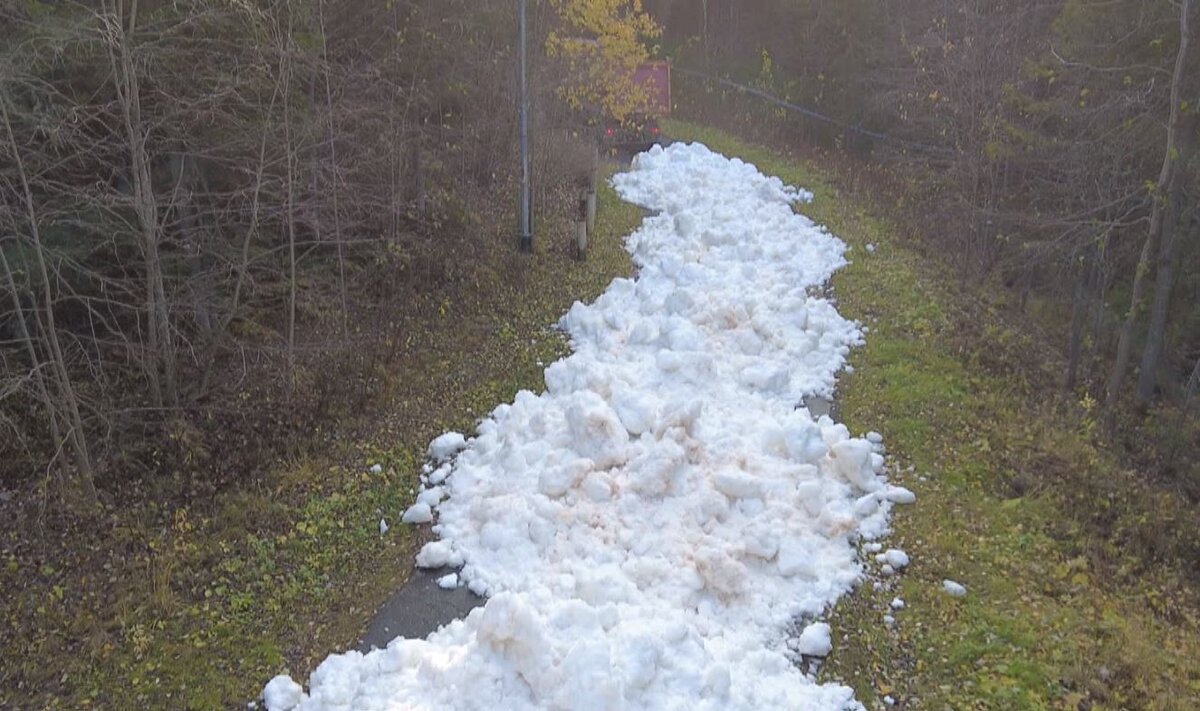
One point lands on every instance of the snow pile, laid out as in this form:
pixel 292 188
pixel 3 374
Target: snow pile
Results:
pixel 650 527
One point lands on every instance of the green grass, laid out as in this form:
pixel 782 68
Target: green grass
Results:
pixel 1061 613
pixel 197 608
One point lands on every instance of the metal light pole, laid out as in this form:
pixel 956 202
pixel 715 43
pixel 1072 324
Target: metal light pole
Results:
pixel 525 209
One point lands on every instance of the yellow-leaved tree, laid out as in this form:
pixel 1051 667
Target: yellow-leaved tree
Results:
pixel 603 42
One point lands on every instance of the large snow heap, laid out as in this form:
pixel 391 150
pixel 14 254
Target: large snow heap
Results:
pixel 652 528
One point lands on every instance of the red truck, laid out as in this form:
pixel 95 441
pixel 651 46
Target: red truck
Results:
pixel 641 130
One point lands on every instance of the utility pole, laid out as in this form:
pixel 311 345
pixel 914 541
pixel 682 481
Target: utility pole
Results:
pixel 525 209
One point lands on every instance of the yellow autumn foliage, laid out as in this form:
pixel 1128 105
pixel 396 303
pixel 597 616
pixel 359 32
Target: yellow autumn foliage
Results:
pixel 603 42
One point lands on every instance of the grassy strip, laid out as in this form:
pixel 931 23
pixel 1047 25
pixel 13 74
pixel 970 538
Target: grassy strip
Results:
pixel 198 612
pixel 1060 614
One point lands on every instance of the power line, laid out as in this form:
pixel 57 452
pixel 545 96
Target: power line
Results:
pixel 816 116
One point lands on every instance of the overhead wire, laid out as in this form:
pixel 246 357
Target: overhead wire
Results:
pixel 815 115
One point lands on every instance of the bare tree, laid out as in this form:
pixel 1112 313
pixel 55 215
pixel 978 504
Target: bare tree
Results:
pixel 1164 216
pixel 63 405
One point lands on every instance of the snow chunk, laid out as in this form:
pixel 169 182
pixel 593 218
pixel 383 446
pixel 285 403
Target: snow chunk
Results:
pixel 896 558
pixel 795 560
pixel 805 443
pixel 558 480
pixel 431 496
pixel 866 505
pixel 418 513
pixel 897 604
pixel 282 694
pixel 439 475
pixel 446 446
pixel 737 485
pixel 448 582
pixel 815 641
pixel 383 527
pixel 596 431
pixel 899 495
pixel 853 460
pixel 953 589
pixel 439 554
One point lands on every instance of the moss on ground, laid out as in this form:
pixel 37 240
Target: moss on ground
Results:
pixel 197 608
pixel 1060 614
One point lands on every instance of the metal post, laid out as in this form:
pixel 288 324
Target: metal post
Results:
pixel 524 210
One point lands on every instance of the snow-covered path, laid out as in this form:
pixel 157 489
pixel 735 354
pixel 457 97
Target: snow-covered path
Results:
pixel 651 529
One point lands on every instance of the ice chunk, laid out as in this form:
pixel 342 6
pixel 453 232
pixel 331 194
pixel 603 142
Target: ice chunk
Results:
pixel 899 495
pixel 737 484
pixel 448 582
pixel 866 505
pixel 896 558
pixel 717 681
pixel 596 431
pixel 439 554
pixel 560 479
pixel 439 475
pixel 953 589
pixel 805 443
pixel 282 694
pixel 431 496
pixel 815 641
pixel 760 541
pixel 418 513
pixel 446 446
pixel 637 413
pixel 795 560
pixel 853 460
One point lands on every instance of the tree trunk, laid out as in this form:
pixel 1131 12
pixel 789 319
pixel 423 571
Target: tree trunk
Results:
pixel 1174 232
pixel 209 358
pixel 1075 347
pixel 35 362
pixel 80 490
pixel 1166 180
pixel 335 189
pixel 290 207
pixel 160 367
